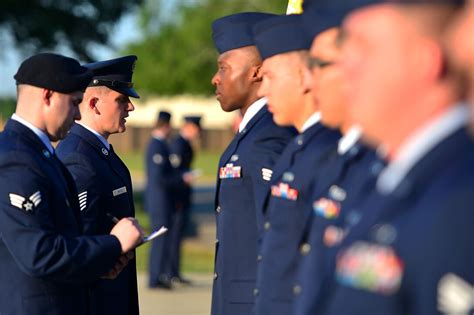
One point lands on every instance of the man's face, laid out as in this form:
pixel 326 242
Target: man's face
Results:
pixel 113 108
pixel 282 86
pixel 460 44
pixel 327 83
pixel 233 78
pixel 379 67
pixel 62 112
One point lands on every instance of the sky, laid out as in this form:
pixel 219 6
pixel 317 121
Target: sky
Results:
pixel 125 31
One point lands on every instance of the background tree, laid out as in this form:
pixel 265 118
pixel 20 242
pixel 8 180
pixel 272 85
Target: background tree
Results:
pixel 177 54
pixel 45 24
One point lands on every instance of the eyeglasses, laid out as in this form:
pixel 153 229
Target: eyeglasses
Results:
pixel 314 62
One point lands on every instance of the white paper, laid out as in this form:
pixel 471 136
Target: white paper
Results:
pixel 162 230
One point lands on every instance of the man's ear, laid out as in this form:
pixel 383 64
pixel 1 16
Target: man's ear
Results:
pixel 92 104
pixel 257 73
pixel 46 96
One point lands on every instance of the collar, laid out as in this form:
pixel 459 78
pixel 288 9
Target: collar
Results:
pixel 419 145
pixel 312 120
pixel 40 133
pixel 251 112
pixel 349 140
pixel 98 135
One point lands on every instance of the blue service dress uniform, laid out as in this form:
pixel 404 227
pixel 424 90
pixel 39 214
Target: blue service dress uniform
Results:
pixel 162 180
pixel 181 157
pixel 296 173
pixel 413 251
pixel 344 182
pixel 104 190
pixel 244 171
pixel 45 262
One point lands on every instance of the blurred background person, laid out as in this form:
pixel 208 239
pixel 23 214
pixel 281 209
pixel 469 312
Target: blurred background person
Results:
pixel 181 158
pixel 162 180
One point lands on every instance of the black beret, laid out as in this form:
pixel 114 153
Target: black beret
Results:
pixel 280 34
pixel 194 120
pixel 115 74
pixel 164 116
pixel 235 31
pixel 53 72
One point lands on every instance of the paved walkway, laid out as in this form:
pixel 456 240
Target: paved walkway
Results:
pixel 182 300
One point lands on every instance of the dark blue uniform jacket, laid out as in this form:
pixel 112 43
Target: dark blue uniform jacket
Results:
pixel 241 189
pixel 296 173
pixel 413 251
pixel 45 263
pixel 104 186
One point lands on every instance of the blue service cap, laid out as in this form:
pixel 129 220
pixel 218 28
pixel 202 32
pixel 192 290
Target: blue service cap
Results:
pixel 115 74
pixel 320 15
pixel 164 116
pixel 280 34
pixel 53 72
pixel 235 31
pixel 194 120
pixel 316 19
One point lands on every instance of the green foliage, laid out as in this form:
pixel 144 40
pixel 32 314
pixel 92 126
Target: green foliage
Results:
pixel 37 25
pixel 7 108
pixel 180 57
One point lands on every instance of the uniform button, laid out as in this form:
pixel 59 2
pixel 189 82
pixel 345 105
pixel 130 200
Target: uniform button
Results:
pixel 218 209
pixel 296 289
pixel 215 275
pixel 259 258
pixel 305 249
pixel 266 226
pixel 255 292
pixel 216 241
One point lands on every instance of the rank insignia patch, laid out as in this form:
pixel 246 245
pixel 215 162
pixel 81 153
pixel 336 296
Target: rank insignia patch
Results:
pixel 455 295
pixel 337 193
pixel 157 158
pixel 230 171
pixel 82 200
pixel 370 267
pixel 175 160
pixel 284 191
pixel 267 174
pixel 327 208
pixel 27 204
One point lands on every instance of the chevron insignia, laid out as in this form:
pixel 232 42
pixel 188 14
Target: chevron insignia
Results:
pixel 82 200
pixel 230 171
pixel 267 174
pixel 455 295
pixel 284 191
pixel 25 203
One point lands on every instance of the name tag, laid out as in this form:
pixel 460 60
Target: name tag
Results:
pixel 119 191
